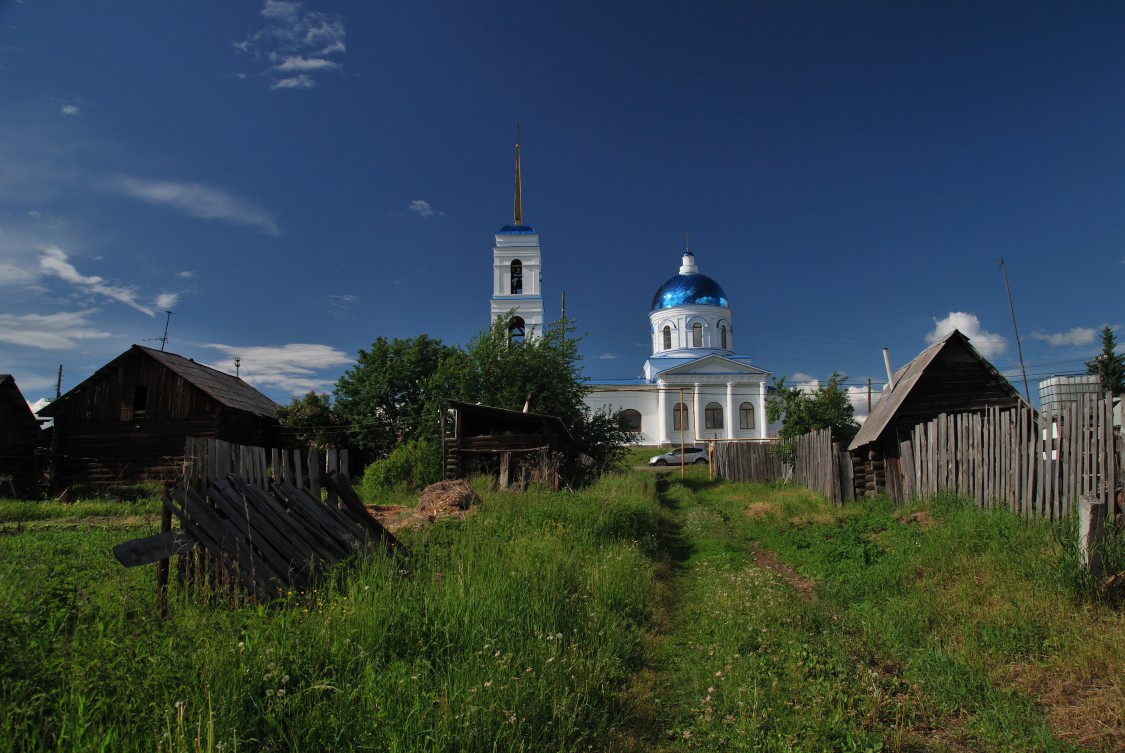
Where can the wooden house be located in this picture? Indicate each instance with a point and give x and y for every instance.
(20, 436)
(129, 421)
(506, 443)
(949, 377)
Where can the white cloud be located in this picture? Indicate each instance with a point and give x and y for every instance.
(422, 208)
(165, 301)
(196, 200)
(341, 305)
(294, 82)
(988, 344)
(607, 356)
(70, 110)
(186, 274)
(53, 262)
(295, 40)
(293, 367)
(299, 63)
(1075, 336)
(49, 331)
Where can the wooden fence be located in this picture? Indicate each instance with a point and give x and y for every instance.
(248, 526)
(746, 461)
(1039, 465)
(1036, 465)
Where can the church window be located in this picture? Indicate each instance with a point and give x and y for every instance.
(713, 416)
(516, 330)
(630, 419)
(746, 416)
(517, 277)
(667, 337)
(723, 336)
(679, 417)
(697, 335)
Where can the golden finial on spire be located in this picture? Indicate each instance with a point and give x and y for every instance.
(518, 209)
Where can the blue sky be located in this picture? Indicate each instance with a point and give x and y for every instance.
(295, 179)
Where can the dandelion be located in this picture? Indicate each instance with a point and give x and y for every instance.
(281, 693)
(241, 645)
(285, 679)
(512, 719)
(269, 692)
(271, 666)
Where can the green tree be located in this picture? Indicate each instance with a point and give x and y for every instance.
(383, 397)
(1108, 364)
(803, 411)
(310, 420)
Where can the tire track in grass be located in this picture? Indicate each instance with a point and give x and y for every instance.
(737, 661)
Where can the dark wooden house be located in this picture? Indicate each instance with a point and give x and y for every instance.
(949, 377)
(511, 445)
(20, 436)
(128, 421)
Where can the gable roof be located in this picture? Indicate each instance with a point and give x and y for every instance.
(22, 410)
(978, 385)
(708, 364)
(227, 390)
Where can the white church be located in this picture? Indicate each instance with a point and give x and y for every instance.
(693, 387)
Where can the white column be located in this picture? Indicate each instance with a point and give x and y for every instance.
(697, 418)
(662, 414)
(763, 424)
(730, 410)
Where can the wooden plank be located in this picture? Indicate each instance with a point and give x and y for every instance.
(201, 524)
(298, 477)
(314, 472)
(335, 539)
(159, 546)
(299, 549)
(358, 512)
(255, 533)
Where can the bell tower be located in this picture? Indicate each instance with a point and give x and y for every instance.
(516, 265)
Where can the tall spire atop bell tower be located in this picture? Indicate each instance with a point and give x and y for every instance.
(518, 207)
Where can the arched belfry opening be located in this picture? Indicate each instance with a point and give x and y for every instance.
(517, 330)
(517, 277)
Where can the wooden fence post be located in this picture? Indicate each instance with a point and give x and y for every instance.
(1091, 530)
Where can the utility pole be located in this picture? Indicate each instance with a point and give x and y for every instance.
(58, 384)
(237, 364)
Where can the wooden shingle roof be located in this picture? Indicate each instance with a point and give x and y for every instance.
(948, 377)
(226, 389)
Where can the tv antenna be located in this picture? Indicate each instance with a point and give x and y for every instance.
(1019, 348)
(164, 337)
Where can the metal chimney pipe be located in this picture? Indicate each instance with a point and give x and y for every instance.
(890, 372)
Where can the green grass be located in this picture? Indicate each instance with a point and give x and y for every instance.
(643, 613)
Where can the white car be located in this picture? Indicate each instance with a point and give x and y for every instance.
(686, 456)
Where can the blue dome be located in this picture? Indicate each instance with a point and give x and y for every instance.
(689, 290)
(517, 230)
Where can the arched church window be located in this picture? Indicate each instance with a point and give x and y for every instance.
(679, 417)
(713, 416)
(517, 277)
(746, 416)
(516, 330)
(697, 335)
(723, 336)
(667, 337)
(630, 419)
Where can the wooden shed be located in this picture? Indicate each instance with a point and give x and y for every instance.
(128, 421)
(506, 443)
(20, 436)
(949, 377)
